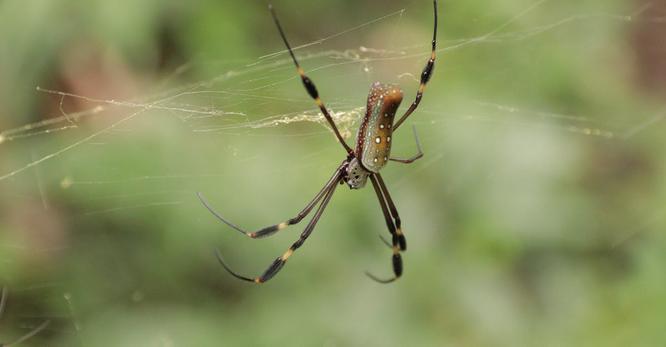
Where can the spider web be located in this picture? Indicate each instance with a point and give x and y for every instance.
(251, 131)
(346, 112)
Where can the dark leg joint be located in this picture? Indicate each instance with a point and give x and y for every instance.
(310, 87)
(296, 245)
(397, 265)
(268, 231)
(272, 270)
(427, 72)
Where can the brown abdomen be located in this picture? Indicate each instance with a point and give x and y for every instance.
(373, 141)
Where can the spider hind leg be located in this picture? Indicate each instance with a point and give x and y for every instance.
(280, 261)
(392, 219)
(270, 230)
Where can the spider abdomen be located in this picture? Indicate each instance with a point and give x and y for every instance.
(373, 141)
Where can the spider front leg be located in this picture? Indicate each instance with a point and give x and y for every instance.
(279, 262)
(270, 230)
(393, 223)
(425, 75)
(417, 156)
(309, 85)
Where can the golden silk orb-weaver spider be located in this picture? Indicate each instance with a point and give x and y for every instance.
(35, 331)
(372, 152)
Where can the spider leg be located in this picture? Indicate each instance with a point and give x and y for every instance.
(417, 156)
(226, 267)
(3, 300)
(309, 85)
(279, 262)
(425, 75)
(270, 230)
(393, 223)
(394, 213)
(385, 241)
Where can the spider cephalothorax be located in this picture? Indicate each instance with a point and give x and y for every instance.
(370, 155)
(355, 175)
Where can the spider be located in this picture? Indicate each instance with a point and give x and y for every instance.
(3, 299)
(372, 152)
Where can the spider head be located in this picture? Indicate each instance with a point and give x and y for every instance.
(356, 175)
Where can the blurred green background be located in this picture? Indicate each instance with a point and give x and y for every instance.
(535, 218)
